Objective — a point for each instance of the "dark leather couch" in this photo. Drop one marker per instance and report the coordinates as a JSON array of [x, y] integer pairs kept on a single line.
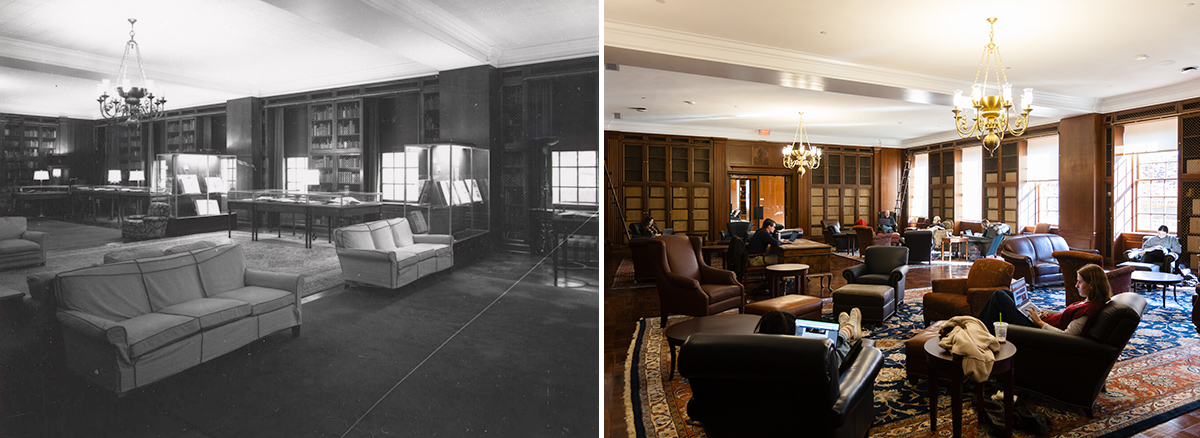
[[920, 245], [1072, 369], [1032, 257], [759, 385]]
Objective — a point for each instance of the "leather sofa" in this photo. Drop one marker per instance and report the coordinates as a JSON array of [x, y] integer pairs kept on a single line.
[[128, 324], [758, 385], [1032, 257], [1073, 368], [386, 253], [20, 247]]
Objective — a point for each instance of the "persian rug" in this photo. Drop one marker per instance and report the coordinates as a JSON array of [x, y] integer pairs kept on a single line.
[[623, 279], [936, 261], [1156, 378], [319, 265]]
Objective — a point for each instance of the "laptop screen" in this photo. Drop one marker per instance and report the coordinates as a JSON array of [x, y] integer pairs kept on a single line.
[[817, 329], [1021, 297]]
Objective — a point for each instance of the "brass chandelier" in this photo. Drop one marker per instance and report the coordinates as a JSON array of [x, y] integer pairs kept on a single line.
[[136, 102], [801, 155], [993, 115]]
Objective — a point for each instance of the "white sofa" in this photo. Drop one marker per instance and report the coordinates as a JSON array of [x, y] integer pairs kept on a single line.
[[386, 253]]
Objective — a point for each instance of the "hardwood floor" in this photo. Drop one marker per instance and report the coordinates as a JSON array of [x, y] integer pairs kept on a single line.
[[624, 307]]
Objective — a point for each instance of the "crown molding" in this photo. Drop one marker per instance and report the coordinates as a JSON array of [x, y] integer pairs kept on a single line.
[[1157, 96], [440, 25], [555, 51], [739, 134]]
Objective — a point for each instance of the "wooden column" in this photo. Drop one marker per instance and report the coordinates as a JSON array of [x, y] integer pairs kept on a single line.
[[1081, 179]]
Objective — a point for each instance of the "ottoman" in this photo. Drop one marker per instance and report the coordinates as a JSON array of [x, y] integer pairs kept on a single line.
[[914, 352], [876, 302], [1139, 266], [800, 306]]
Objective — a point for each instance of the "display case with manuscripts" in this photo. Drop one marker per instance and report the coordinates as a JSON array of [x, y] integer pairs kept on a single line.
[[451, 182], [335, 144], [195, 184]]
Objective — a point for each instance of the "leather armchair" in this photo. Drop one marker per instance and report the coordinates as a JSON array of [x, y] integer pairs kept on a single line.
[[637, 230], [758, 385], [1032, 256], [688, 286], [867, 238], [919, 244], [740, 229], [1069, 262], [153, 225], [987, 244], [1072, 369], [952, 297], [834, 235], [883, 265]]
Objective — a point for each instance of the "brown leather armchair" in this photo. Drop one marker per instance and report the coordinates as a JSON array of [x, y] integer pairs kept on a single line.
[[686, 285], [1032, 256], [758, 385], [966, 296], [1072, 369], [1069, 262], [867, 238]]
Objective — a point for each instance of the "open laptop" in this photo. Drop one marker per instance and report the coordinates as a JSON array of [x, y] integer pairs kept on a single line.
[[1021, 295], [817, 329]]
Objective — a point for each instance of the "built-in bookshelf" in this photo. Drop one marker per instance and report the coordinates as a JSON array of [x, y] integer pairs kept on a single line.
[[26, 142], [335, 144], [181, 134]]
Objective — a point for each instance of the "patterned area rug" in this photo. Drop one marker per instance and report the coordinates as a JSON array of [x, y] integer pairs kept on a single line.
[[319, 265], [623, 279], [936, 261], [1156, 379]]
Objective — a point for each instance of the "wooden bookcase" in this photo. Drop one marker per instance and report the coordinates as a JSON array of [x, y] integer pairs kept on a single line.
[[336, 143], [671, 179], [181, 135], [26, 143], [841, 188]]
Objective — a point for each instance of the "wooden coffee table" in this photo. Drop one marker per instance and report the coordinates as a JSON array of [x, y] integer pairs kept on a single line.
[[1154, 279], [732, 324]]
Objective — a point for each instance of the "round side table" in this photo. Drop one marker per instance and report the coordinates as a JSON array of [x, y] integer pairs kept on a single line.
[[776, 273], [942, 362]]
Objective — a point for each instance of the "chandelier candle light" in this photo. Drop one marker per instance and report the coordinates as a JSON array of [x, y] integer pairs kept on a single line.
[[136, 102], [993, 114], [801, 155]]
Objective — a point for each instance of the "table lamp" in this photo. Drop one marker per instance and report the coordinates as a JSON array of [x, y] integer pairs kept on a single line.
[[57, 172], [114, 176], [41, 175], [137, 176]]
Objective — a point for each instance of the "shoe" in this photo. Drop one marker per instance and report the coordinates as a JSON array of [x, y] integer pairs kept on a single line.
[[856, 323]]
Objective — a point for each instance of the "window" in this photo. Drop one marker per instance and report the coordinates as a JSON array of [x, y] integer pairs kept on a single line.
[[918, 200], [1039, 192], [970, 184], [399, 177], [296, 175], [1147, 179], [574, 177]]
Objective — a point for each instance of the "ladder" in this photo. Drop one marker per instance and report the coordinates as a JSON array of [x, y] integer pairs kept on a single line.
[[903, 191], [612, 191]]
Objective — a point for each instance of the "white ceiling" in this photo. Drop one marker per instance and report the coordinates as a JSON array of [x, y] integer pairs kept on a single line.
[[53, 53], [868, 72]]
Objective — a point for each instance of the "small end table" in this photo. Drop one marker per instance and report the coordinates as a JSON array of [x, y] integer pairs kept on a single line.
[[777, 272], [941, 361], [1153, 279]]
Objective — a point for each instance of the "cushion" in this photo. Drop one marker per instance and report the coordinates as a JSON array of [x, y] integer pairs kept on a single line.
[[381, 235], [189, 247], [426, 250], [114, 292], [261, 300], [222, 269], [18, 246], [151, 331], [131, 254], [355, 237], [417, 220], [170, 280], [403, 233], [210, 312], [873, 278], [12, 227], [405, 258], [721, 292]]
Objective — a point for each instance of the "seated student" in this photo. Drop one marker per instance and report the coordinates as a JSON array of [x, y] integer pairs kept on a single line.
[[651, 228], [761, 241], [887, 222], [1159, 246], [777, 322], [1091, 283]]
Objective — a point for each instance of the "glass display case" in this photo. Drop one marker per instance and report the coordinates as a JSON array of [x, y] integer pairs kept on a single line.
[[452, 182], [333, 199], [197, 184]]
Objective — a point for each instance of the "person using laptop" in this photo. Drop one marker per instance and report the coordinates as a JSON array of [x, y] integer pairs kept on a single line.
[[1092, 285], [1160, 245], [763, 240], [849, 330], [648, 222]]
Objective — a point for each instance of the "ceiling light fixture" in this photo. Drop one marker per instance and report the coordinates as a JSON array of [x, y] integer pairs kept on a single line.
[[991, 118], [799, 155], [136, 102]]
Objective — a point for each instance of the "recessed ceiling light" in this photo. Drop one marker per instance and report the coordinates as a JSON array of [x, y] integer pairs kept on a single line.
[[1166, 63], [1187, 70], [689, 102], [638, 109], [1141, 57]]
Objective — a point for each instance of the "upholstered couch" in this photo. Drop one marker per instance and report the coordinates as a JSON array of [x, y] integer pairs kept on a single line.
[[1032, 257], [125, 325], [386, 253], [18, 246]]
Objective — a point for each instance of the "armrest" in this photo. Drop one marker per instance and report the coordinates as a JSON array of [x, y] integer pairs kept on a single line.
[[41, 287], [1087, 250], [857, 383], [898, 274], [854, 272], [37, 237], [376, 255], [717, 276], [977, 297], [93, 327], [445, 239], [1012, 256], [293, 283], [1035, 339], [681, 282], [950, 285]]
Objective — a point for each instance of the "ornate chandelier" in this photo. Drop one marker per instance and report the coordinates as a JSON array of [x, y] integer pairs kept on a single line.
[[993, 114], [801, 155], [136, 102]]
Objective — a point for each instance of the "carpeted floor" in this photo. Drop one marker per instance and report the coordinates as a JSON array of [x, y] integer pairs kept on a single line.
[[1158, 373], [482, 349]]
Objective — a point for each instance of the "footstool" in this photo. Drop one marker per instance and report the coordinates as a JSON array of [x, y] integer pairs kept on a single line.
[[800, 306], [914, 352], [876, 302], [1139, 266]]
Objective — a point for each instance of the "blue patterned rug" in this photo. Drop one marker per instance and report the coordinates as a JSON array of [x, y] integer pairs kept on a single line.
[[1156, 378]]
